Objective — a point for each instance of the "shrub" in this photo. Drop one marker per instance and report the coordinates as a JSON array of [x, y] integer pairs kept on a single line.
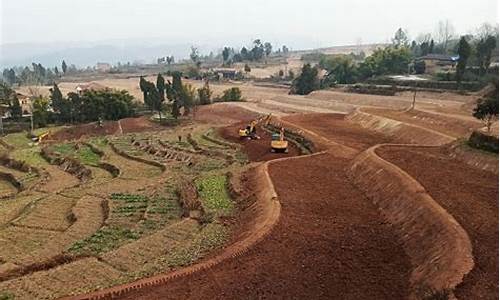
[[230, 95], [483, 141]]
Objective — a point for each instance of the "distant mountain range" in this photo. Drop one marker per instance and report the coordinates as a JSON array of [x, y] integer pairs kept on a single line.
[[83, 54]]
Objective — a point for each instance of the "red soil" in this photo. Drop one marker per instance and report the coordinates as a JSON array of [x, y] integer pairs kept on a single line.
[[330, 243], [109, 127], [220, 113], [471, 197], [90, 129], [256, 150], [138, 125], [448, 125], [335, 128]]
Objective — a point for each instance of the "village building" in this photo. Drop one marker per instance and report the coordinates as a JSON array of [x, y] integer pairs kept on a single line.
[[103, 67], [435, 63], [92, 86], [225, 73]]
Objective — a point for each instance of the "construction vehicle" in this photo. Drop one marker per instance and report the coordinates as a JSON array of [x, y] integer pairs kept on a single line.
[[250, 132], [278, 142], [39, 138]]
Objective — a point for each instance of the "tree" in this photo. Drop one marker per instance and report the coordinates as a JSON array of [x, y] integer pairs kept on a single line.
[[341, 68], [170, 60], [205, 94], [244, 53], [187, 98], [306, 82], [484, 49], [195, 56], [268, 48], [15, 108], [247, 68], [445, 32], [154, 98], [143, 85], [64, 67], [106, 104], [464, 51], [385, 61], [230, 95], [56, 71], [225, 55], [487, 107], [160, 85], [60, 105], [284, 49], [400, 38], [40, 111], [175, 110], [9, 75]]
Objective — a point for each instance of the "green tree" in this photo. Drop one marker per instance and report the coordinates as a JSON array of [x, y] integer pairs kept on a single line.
[[225, 55], [15, 107], [160, 85], [143, 85], [64, 67], [195, 56], [175, 110], [40, 111], [484, 50], [205, 94], [230, 95], [464, 51], [247, 68], [341, 68], [9, 76], [106, 104], [487, 107], [400, 38], [385, 61], [306, 82], [61, 106], [268, 48], [154, 98]]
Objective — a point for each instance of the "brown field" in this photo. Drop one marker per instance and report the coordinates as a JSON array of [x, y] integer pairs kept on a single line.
[[333, 237]]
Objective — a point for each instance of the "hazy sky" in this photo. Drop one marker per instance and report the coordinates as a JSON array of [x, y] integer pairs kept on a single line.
[[320, 23]]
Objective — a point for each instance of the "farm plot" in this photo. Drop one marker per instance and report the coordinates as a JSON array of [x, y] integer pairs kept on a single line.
[[50, 213]]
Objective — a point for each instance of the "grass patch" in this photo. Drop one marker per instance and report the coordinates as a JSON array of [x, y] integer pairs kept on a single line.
[[103, 240], [87, 156], [18, 140], [214, 195], [30, 155], [6, 296], [64, 149], [210, 237]]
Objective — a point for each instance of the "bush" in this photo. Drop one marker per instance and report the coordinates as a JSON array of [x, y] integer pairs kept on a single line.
[[483, 141], [306, 82], [230, 95]]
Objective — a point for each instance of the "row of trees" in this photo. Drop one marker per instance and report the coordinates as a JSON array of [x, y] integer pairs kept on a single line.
[[179, 95], [257, 52], [91, 105], [36, 75]]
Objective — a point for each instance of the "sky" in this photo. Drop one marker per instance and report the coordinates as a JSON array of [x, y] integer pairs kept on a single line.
[[311, 23]]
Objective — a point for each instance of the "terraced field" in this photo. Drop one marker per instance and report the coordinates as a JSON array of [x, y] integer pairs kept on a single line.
[[105, 210]]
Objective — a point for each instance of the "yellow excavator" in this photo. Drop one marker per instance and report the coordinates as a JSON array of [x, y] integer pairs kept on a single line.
[[250, 132], [278, 142]]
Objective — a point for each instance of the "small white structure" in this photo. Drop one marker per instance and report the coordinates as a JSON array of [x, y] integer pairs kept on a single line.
[[103, 67]]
